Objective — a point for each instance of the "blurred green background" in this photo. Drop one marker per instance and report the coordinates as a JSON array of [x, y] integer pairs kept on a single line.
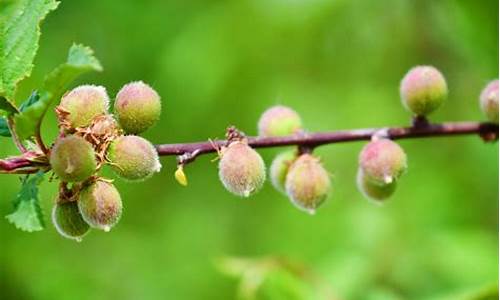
[[217, 63]]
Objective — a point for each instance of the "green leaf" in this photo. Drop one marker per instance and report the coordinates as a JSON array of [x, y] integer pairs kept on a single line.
[[27, 214], [19, 35], [4, 128], [7, 105], [80, 60]]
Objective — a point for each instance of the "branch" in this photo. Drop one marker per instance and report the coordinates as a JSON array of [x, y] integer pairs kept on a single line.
[[487, 131], [188, 152]]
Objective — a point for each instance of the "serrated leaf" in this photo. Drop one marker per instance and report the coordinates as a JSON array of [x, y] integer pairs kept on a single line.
[[19, 35], [27, 214], [80, 60]]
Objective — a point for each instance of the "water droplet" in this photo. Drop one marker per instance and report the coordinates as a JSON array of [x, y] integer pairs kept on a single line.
[[246, 193], [311, 211], [78, 239], [388, 179], [106, 228]]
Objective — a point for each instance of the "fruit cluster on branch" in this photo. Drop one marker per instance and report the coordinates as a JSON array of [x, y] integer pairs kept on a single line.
[[91, 138]]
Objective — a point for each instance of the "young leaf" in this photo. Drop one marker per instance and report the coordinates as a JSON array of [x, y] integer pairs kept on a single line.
[[19, 35], [27, 214], [80, 60]]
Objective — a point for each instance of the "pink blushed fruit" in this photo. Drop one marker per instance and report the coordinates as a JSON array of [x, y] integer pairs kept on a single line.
[[83, 104], [241, 169], [382, 161], [133, 158], [279, 121], [73, 159], [423, 90], [137, 107], [489, 101], [307, 183], [100, 205]]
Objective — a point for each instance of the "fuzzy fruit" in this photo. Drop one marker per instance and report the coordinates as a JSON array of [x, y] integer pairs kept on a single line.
[[241, 169], [307, 183], [68, 221], [279, 169], [83, 104], [73, 159], [489, 101], [133, 158], [372, 190], [137, 107], [100, 205], [279, 121], [382, 161], [423, 90]]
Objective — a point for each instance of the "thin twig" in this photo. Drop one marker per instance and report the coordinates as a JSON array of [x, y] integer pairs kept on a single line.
[[15, 138], [39, 141]]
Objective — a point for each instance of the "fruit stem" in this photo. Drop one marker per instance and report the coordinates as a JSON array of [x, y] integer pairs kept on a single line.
[[15, 137]]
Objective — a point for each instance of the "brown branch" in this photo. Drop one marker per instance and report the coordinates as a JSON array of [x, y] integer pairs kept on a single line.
[[488, 131], [188, 152]]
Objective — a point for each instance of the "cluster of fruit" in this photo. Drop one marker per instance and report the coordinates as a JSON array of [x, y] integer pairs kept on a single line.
[[90, 138], [301, 175]]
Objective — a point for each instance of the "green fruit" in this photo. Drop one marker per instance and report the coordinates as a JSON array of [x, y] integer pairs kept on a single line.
[[489, 101], [307, 183], [73, 159], [100, 205], [241, 169], [374, 191], [68, 221], [83, 104], [137, 107], [133, 158], [279, 121], [423, 90], [279, 169], [382, 161]]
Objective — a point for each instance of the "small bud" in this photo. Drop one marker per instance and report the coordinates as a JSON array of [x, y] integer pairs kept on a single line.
[[279, 169], [73, 159], [382, 161], [241, 169], [307, 183], [279, 121], [489, 101], [133, 158], [68, 221], [374, 191], [83, 104], [137, 107], [100, 205], [423, 90]]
